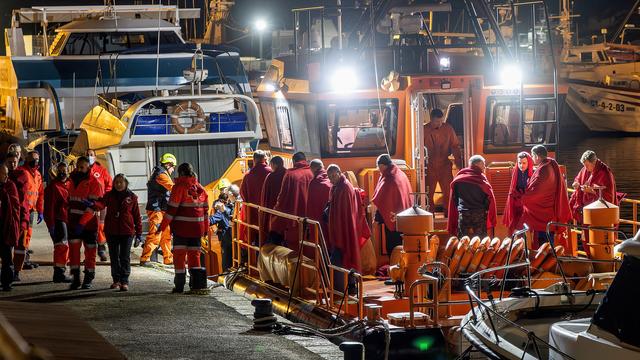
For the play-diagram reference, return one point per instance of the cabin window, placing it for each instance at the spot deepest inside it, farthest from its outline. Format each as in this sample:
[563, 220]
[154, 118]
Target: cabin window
[504, 130]
[301, 137]
[586, 57]
[277, 120]
[99, 43]
[359, 128]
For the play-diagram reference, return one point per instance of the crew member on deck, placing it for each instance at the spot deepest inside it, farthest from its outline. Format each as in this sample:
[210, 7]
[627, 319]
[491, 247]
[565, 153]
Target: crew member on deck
[319, 189]
[441, 141]
[251, 188]
[9, 226]
[472, 206]
[545, 198]
[101, 174]
[271, 189]
[391, 196]
[520, 175]
[594, 174]
[56, 204]
[292, 200]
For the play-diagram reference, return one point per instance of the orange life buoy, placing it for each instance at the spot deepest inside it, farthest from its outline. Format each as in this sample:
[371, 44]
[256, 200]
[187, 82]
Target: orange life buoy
[474, 244]
[476, 259]
[451, 247]
[551, 262]
[541, 254]
[463, 247]
[197, 121]
[434, 244]
[466, 260]
[485, 242]
[495, 243]
[487, 258]
[516, 252]
[500, 256]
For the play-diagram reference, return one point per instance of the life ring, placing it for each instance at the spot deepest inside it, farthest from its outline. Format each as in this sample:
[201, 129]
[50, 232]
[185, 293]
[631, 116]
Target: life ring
[500, 256]
[495, 243]
[451, 247]
[434, 244]
[542, 253]
[197, 121]
[517, 249]
[475, 243]
[551, 262]
[463, 247]
[478, 255]
[484, 244]
[487, 258]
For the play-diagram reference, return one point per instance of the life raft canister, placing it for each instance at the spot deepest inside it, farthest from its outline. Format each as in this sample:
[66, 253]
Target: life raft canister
[197, 121]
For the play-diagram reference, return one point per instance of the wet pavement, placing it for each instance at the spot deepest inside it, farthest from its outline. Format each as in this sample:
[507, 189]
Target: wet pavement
[149, 322]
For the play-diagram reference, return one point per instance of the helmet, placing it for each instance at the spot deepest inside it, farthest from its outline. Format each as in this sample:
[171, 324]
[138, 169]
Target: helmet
[223, 183]
[168, 158]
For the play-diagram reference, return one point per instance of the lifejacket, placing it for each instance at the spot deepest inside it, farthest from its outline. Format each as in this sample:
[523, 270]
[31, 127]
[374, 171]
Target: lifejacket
[34, 192]
[157, 195]
[89, 189]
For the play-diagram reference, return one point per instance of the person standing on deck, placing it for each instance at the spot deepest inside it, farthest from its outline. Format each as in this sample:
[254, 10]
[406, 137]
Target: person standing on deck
[187, 214]
[391, 196]
[513, 208]
[251, 188]
[158, 191]
[19, 177]
[9, 226]
[34, 195]
[545, 198]
[85, 192]
[56, 204]
[271, 189]
[472, 205]
[594, 174]
[222, 217]
[292, 200]
[441, 141]
[102, 175]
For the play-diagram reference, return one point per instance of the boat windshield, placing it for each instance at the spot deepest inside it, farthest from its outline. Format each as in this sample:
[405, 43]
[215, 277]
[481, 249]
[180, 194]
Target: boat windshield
[95, 43]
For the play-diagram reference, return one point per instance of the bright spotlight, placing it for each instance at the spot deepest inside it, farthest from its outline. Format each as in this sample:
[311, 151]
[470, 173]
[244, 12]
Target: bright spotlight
[260, 25]
[344, 79]
[511, 75]
[270, 87]
[445, 63]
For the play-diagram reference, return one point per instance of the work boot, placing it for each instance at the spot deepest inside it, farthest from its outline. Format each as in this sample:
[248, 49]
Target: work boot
[200, 279]
[179, 281]
[16, 276]
[75, 281]
[191, 276]
[102, 252]
[154, 256]
[59, 276]
[88, 278]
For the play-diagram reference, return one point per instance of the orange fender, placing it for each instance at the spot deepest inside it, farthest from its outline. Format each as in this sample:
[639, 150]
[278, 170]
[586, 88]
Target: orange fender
[551, 262]
[451, 247]
[463, 247]
[542, 253]
[434, 243]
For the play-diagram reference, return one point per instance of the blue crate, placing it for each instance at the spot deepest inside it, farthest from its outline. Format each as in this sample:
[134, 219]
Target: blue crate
[227, 122]
[150, 125]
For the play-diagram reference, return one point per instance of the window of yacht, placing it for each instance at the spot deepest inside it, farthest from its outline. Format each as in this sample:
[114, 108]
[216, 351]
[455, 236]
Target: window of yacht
[359, 128]
[96, 43]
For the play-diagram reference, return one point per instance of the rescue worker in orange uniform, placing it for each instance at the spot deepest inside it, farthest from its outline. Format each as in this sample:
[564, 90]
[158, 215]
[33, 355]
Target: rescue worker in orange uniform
[56, 203]
[34, 195]
[187, 213]
[84, 191]
[101, 174]
[19, 177]
[158, 191]
[441, 141]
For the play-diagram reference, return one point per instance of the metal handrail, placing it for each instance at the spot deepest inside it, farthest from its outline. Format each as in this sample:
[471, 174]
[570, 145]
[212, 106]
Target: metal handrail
[634, 210]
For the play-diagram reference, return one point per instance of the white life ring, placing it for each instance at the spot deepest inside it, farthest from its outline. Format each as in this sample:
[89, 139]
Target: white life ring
[197, 121]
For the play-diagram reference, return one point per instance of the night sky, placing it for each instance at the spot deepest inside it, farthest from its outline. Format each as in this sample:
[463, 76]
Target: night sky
[595, 14]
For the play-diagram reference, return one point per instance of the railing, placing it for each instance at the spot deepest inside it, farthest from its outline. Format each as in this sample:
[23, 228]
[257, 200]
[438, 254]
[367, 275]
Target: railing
[634, 211]
[310, 237]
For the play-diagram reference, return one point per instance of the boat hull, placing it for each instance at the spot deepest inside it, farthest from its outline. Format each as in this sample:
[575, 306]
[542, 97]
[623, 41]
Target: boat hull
[605, 109]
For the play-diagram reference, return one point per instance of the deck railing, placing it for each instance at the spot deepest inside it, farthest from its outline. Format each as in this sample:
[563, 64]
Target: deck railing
[310, 237]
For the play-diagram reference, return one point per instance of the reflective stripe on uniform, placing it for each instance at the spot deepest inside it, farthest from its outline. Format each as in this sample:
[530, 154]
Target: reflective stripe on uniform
[193, 205]
[76, 198]
[168, 216]
[180, 271]
[21, 252]
[189, 218]
[77, 211]
[193, 248]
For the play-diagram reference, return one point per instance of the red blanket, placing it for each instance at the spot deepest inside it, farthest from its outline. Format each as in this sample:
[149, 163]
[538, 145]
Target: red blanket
[601, 176]
[319, 189]
[546, 197]
[471, 175]
[292, 200]
[392, 195]
[9, 213]
[513, 209]
[251, 190]
[344, 223]
[363, 225]
[270, 191]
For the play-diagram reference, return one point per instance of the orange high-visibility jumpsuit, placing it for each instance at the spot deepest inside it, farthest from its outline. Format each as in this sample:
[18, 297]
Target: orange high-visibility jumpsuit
[34, 196]
[101, 174]
[156, 212]
[440, 143]
[83, 223]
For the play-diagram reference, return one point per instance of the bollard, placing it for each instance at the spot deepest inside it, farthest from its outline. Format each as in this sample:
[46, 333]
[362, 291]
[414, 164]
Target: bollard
[263, 317]
[352, 350]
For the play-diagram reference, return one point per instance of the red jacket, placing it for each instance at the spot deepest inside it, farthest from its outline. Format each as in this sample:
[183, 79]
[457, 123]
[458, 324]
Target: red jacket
[9, 213]
[20, 180]
[56, 202]
[102, 175]
[188, 209]
[123, 213]
[82, 189]
[34, 190]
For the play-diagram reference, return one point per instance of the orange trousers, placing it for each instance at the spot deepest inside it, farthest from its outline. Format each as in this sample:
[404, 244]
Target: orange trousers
[156, 238]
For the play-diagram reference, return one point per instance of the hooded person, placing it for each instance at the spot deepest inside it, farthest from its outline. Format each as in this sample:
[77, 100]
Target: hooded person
[441, 140]
[593, 174]
[251, 188]
[271, 189]
[9, 226]
[513, 208]
[292, 200]
[56, 204]
[472, 205]
[98, 171]
[545, 198]
[391, 196]
[319, 188]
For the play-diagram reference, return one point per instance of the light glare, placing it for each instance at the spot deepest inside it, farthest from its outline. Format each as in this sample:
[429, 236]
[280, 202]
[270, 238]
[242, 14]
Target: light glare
[511, 75]
[260, 25]
[344, 79]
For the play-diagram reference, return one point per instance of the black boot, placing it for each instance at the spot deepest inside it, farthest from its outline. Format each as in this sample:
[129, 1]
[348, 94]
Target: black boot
[16, 276]
[88, 278]
[75, 281]
[179, 280]
[59, 276]
[199, 279]
[191, 276]
[102, 252]
[6, 278]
